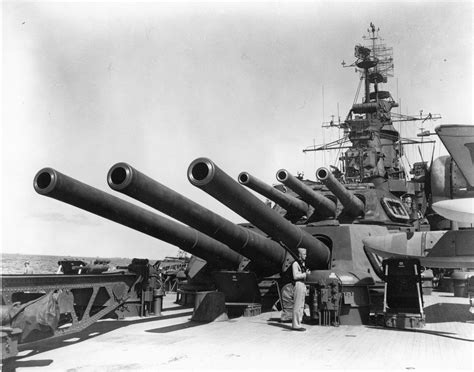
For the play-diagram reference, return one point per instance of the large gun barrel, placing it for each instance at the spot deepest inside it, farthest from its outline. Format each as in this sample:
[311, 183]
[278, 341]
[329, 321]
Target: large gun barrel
[56, 185]
[203, 173]
[353, 206]
[265, 253]
[291, 204]
[323, 206]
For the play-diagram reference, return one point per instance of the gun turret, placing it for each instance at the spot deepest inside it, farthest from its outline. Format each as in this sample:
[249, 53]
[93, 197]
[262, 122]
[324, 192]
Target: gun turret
[353, 206]
[293, 206]
[323, 206]
[56, 185]
[203, 173]
[267, 254]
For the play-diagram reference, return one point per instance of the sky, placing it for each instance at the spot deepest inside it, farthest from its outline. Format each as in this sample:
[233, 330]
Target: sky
[157, 85]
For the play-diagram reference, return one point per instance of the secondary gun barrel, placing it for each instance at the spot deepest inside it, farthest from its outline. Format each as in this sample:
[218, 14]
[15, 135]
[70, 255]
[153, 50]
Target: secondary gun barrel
[353, 206]
[323, 206]
[266, 253]
[50, 182]
[203, 173]
[291, 204]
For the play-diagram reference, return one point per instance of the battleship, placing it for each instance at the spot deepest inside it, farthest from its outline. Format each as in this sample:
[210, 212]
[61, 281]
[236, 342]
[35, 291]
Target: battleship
[389, 285]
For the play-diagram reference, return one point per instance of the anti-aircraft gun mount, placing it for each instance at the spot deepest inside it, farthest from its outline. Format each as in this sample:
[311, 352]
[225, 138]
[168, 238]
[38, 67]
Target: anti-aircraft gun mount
[78, 267]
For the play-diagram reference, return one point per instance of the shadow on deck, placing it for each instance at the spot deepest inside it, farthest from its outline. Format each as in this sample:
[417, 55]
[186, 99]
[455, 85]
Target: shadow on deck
[96, 329]
[448, 312]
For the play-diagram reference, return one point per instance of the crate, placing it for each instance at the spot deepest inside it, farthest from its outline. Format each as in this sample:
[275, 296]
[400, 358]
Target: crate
[246, 309]
[404, 321]
[253, 310]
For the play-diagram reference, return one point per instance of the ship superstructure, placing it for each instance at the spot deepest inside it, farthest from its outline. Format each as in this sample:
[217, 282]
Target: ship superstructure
[373, 147]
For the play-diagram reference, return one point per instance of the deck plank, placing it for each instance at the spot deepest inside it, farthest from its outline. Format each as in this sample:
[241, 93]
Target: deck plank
[174, 342]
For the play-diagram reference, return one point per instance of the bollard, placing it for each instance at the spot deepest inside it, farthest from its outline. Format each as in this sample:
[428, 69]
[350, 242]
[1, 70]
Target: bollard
[460, 282]
[158, 301]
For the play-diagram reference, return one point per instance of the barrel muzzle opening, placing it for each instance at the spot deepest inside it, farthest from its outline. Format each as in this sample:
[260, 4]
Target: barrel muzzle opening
[120, 176]
[282, 175]
[201, 171]
[45, 180]
[244, 178]
[322, 174]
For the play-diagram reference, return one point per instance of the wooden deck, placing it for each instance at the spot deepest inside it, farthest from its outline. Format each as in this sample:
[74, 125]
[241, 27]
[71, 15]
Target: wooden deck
[172, 342]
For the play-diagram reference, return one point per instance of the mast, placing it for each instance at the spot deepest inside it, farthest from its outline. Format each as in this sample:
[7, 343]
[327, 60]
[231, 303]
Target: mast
[375, 149]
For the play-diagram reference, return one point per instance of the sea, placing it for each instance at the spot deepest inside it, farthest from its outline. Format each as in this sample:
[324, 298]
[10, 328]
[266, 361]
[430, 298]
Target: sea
[13, 263]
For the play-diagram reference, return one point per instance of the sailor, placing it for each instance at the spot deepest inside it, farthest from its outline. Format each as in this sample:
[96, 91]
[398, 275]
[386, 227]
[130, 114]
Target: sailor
[28, 270]
[299, 275]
